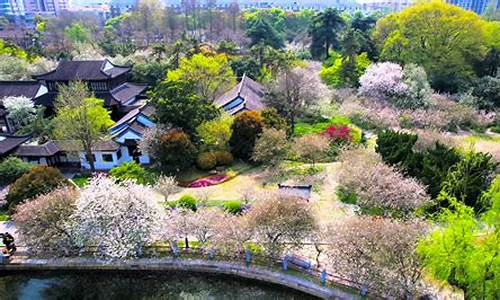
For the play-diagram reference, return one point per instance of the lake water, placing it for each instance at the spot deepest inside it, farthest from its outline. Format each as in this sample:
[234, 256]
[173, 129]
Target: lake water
[137, 285]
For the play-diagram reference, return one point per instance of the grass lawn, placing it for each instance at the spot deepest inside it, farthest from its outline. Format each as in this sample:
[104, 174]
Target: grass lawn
[81, 180]
[480, 142]
[4, 216]
[303, 128]
[194, 173]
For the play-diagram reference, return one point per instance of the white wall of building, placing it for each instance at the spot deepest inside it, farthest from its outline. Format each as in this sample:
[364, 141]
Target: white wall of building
[101, 164]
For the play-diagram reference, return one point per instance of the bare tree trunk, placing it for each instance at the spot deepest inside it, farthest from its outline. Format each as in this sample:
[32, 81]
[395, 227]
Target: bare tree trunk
[90, 158]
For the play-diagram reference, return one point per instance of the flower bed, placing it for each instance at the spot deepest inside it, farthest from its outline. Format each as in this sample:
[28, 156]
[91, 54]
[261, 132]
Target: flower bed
[208, 181]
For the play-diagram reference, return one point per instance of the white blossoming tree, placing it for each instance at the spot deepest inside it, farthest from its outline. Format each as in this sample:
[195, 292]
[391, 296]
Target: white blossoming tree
[383, 81]
[119, 219]
[21, 110]
[406, 88]
[45, 223]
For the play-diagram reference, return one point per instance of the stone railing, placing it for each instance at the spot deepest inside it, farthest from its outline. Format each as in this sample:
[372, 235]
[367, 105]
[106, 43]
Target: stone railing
[291, 271]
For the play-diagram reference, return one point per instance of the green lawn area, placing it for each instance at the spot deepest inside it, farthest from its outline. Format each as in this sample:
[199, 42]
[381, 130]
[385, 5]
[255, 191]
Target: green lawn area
[478, 137]
[303, 128]
[194, 173]
[4, 216]
[81, 180]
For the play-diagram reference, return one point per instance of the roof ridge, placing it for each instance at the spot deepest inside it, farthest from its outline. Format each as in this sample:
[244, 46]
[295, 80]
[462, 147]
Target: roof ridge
[241, 83]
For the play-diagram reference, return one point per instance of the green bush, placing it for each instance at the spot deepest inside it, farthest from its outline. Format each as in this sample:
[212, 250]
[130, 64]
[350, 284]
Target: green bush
[131, 171]
[356, 134]
[206, 161]
[271, 119]
[469, 178]
[11, 169]
[39, 180]
[396, 149]
[436, 164]
[346, 196]
[187, 202]
[176, 152]
[233, 207]
[247, 127]
[224, 158]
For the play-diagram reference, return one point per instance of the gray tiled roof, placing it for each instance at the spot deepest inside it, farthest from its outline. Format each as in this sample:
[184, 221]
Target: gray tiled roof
[83, 70]
[27, 88]
[249, 90]
[8, 143]
[127, 91]
[131, 119]
[48, 149]
[75, 146]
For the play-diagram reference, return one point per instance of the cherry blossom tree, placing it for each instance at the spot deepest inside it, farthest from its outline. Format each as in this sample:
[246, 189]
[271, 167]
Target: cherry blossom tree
[21, 110]
[178, 228]
[379, 186]
[166, 185]
[277, 218]
[379, 253]
[119, 219]
[311, 148]
[232, 234]
[45, 223]
[296, 91]
[382, 81]
[202, 224]
[271, 147]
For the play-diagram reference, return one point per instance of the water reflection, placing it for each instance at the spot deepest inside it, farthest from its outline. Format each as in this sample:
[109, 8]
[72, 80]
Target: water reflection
[137, 285]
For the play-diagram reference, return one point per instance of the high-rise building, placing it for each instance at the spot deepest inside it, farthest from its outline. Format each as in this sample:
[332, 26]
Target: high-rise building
[46, 7]
[12, 9]
[477, 6]
[383, 5]
[118, 7]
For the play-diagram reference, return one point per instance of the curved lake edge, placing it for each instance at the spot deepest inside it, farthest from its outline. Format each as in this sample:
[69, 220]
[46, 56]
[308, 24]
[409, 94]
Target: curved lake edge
[167, 264]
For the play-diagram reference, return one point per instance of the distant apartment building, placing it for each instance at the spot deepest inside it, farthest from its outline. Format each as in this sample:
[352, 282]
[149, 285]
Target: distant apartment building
[118, 7]
[383, 5]
[97, 7]
[477, 6]
[46, 7]
[12, 9]
[284, 4]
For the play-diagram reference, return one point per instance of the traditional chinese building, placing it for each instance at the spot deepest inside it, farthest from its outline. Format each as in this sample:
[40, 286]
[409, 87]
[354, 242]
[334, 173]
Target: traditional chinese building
[106, 80]
[246, 95]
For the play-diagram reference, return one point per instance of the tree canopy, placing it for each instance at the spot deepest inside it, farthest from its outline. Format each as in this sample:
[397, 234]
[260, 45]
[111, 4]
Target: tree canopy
[324, 31]
[81, 117]
[178, 105]
[448, 41]
[210, 75]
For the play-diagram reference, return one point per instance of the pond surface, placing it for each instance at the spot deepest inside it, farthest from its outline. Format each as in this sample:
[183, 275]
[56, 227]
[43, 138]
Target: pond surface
[137, 285]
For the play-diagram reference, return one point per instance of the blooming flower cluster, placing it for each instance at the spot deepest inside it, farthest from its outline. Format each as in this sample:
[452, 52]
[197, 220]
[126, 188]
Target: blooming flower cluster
[382, 81]
[118, 219]
[338, 133]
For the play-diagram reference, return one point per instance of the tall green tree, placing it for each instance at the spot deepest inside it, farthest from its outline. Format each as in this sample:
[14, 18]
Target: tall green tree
[178, 105]
[465, 251]
[445, 39]
[364, 25]
[260, 31]
[210, 75]
[469, 178]
[324, 31]
[80, 117]
[77, 33]
[351, 45]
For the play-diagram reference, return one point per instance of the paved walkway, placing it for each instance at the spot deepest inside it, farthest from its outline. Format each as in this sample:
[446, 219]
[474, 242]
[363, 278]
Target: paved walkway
[8, 226]
[170, 264]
